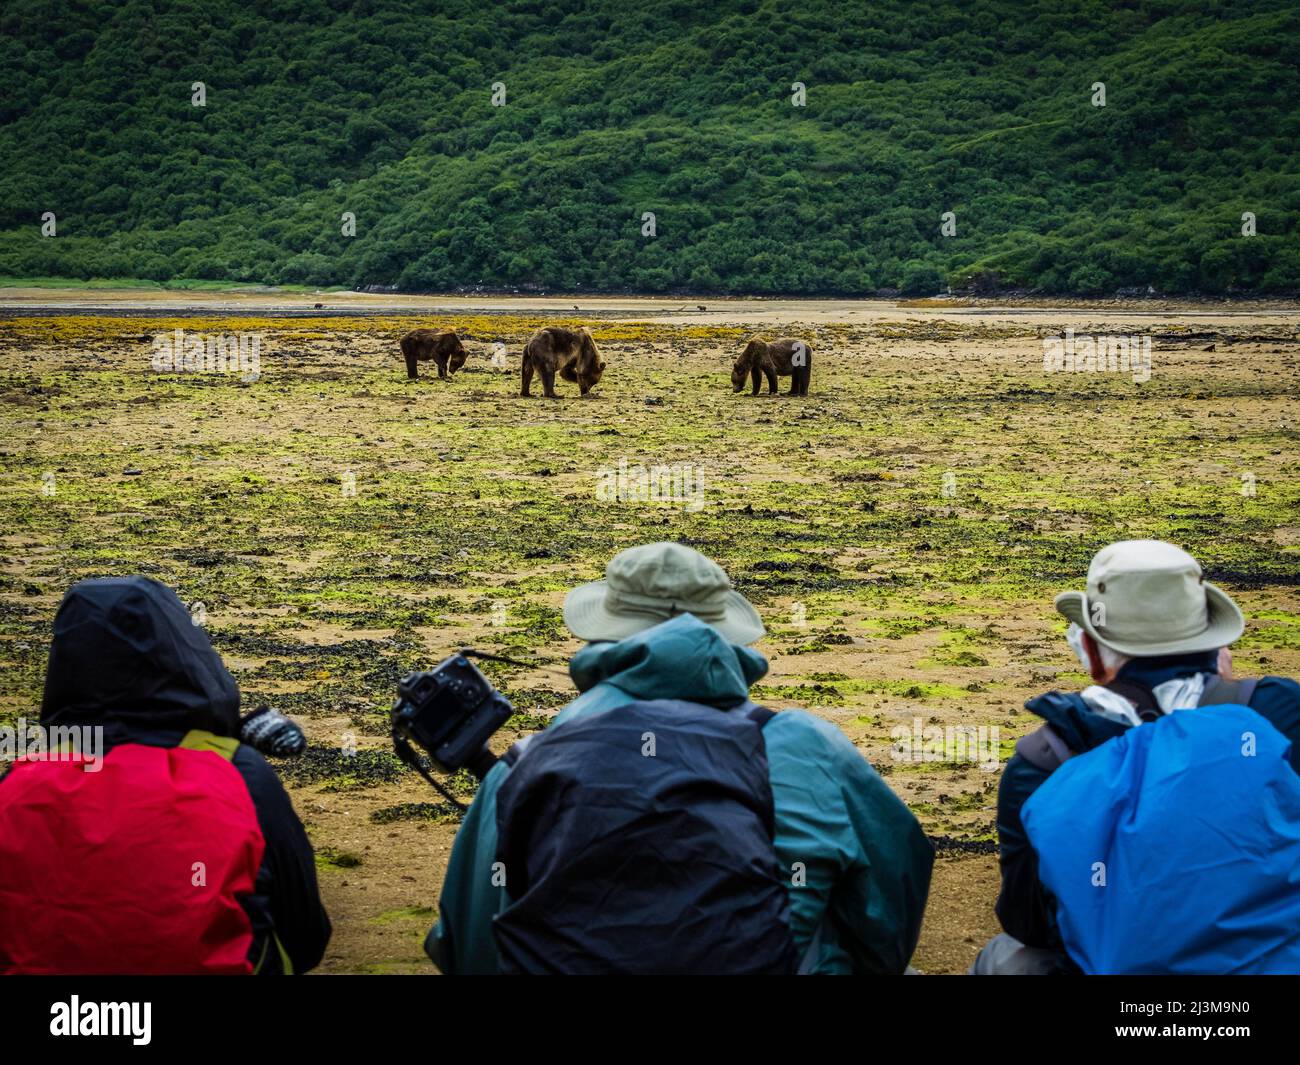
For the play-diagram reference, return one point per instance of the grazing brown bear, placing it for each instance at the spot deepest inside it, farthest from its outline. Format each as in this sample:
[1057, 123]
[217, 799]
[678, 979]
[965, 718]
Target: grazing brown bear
[443, 346]
[569, 352]
[776, 358]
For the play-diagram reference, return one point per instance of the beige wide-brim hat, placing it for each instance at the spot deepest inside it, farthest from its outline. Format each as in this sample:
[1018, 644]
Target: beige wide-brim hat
[647, 585]
[1147, 597]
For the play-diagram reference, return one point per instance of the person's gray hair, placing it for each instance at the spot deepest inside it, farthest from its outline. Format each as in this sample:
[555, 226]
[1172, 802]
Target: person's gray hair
[1111, 659]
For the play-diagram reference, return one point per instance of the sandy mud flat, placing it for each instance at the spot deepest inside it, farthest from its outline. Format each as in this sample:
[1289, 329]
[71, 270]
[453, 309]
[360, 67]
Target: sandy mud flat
[902, 529]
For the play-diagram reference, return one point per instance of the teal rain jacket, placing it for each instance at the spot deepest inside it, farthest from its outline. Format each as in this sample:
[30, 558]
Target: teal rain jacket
[864, 861]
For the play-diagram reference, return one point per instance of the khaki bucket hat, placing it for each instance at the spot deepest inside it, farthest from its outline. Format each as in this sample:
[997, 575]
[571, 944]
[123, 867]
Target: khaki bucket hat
[1147, 597]
[646, 585]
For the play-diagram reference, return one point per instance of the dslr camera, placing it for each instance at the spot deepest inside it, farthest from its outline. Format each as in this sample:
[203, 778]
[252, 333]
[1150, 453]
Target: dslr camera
[449, 712]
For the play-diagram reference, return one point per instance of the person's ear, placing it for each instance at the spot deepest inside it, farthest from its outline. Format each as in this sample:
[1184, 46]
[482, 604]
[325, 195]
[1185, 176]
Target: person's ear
[1225, 663]
[1096, 666]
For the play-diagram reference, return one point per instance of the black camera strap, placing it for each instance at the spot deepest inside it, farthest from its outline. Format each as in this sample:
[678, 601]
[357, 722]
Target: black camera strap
[407, 754]
[469, 652]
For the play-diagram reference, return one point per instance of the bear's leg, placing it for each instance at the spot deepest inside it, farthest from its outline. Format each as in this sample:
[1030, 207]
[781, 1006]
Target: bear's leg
[756, 376]
[527, 374]
[771, 381]
[412, 367]
[441, 360]
[548, 383]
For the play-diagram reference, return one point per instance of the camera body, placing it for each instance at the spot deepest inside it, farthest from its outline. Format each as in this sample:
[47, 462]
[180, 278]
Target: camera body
[450, 712]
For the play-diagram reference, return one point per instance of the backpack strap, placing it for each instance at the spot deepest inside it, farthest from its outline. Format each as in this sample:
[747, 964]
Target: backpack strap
[1043, 748]
[198, 739]
[1220, 691]
[285, 962]
[1142, 698]
[760, 715]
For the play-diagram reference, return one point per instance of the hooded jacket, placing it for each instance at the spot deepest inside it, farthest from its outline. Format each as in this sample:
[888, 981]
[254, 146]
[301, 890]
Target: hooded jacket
[1025, 908]
[126, 656]
[867, 861]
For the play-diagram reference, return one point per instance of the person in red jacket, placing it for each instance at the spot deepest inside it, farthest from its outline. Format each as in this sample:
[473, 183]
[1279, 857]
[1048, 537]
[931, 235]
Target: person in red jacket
[166, 846]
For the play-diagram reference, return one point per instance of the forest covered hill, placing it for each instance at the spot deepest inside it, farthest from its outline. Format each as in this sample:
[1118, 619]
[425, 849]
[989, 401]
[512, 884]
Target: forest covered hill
[524, 145]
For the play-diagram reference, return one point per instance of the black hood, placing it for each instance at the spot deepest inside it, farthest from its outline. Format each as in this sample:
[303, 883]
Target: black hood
[125, 650]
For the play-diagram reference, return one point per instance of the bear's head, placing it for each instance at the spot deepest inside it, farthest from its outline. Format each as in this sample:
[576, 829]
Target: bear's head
[458, 354]
[590, 365]
[745, 362]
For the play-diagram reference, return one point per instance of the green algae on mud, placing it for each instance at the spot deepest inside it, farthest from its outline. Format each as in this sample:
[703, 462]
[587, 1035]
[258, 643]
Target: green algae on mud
[239, 499]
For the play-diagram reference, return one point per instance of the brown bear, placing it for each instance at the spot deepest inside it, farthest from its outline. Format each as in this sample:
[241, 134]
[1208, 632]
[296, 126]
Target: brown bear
[443, 346]
[777, 358]
[569, 352]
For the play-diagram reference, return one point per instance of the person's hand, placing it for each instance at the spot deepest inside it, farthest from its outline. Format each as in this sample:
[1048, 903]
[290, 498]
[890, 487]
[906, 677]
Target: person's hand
[1225, 663]
[272, 733]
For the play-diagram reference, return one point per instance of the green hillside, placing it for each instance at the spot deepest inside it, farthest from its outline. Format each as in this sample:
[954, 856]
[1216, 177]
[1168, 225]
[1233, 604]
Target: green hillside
[683, 109]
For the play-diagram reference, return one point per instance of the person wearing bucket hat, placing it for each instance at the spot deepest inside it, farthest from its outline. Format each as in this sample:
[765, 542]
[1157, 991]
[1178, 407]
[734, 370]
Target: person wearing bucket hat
[1146, 598]
[1153, 634]
[667, 634]
[646, 585]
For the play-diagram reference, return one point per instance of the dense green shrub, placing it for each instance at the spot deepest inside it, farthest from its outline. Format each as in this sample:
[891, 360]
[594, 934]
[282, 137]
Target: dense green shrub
[913, 108]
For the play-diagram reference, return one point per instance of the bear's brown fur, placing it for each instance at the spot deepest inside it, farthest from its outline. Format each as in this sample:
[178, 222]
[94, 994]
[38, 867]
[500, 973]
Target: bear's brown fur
[443, 346]
[569, 352]
[785, 357]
